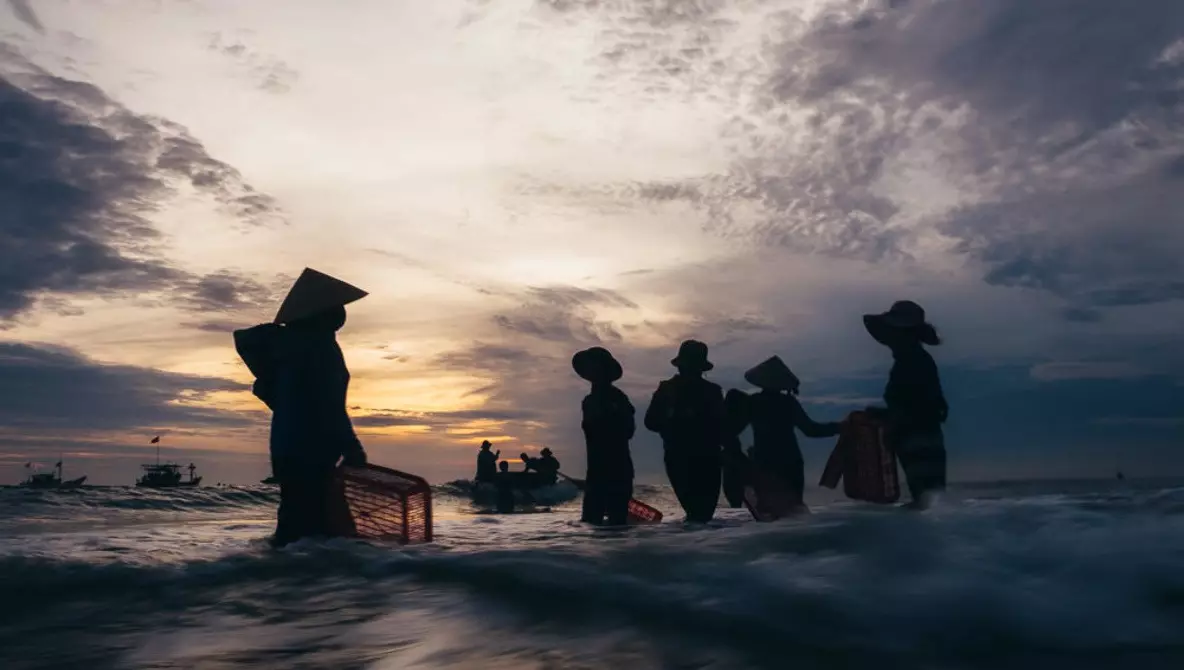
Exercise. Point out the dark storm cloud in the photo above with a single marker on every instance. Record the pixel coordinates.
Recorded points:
(54, 388)
(1072, 136)
(229, 291)
(1059, 126)
(79, 175)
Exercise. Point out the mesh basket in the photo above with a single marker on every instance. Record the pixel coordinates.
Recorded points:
(385, 504)
(640, 512)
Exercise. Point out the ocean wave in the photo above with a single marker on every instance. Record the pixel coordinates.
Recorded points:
(986, 581)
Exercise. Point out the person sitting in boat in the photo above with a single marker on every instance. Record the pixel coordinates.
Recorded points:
(487, 463)
(915, 403)
(544, 469)
(301, 376)
(505, 488)
(774, 413)
(688, 412)
(608, 425)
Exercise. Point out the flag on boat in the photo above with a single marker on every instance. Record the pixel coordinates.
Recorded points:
(58, 464)
(155, 440)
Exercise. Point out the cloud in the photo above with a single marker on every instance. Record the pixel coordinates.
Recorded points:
(267, 73)
(80, 178)
(383, 418)
(564, 315)
(25, 13)
(45, 388)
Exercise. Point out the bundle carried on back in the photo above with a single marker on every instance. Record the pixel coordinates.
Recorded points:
(377, 503)
(863, 460)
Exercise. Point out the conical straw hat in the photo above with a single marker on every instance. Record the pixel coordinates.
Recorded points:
(774, 374)
(315, 292)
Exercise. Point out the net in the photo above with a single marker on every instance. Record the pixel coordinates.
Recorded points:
(384, 504)
(640, 512)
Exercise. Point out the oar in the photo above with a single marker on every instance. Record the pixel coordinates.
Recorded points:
(639, 512)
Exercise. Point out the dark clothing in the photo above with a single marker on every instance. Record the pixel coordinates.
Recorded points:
(486, 466)
(304, 507)
(774, 417)
(301, 376)
(914, 395)
(688, 412)
(607, 499)
(916, 409)
(505, 492)
(696, 483)
(608, 425)
(544, 469)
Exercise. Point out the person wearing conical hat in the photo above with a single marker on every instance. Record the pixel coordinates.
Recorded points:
(688, 412)
(300, 374)
(775, 414)
(915, 403)
(487, 463)
(608, 424)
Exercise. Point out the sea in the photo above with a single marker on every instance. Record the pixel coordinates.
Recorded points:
(1011, 575)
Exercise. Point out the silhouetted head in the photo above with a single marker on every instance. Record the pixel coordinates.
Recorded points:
(524, 457)
(485, 445)
(902, 325)
(596, 365)
(692, 358)
(329, 320)
(546, 451)
(504, 466)
(772, 374)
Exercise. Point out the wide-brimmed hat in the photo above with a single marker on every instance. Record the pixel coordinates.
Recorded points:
(596, 365)
(692, 355)
(773, 374)
(904, 316)
(486, 444)
(315, 292)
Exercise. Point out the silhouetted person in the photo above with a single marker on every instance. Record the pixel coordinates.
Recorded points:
(736, 465)
(486, 463)
(301, 375)
(505, 488)
(774, 413)
(608, 424)
(542, 470)
(916, 406)
(688, 412)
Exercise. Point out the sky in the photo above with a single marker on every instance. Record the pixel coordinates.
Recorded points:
(513, 181)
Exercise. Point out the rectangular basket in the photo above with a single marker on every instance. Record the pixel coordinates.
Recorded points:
(385, 504)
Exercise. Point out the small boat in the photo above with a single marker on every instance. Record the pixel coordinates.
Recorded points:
(167, 476)
(51, 480)
(269, 480)
(527, 489)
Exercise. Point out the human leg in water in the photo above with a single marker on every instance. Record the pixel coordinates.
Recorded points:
(616, 501)
(593, 510)
(923, 459)
(304, 510)
(680, 473)
(696, 482)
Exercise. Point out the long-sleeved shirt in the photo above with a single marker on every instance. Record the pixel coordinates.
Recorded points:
(301, 375)
(914, 395)
(608, 426)
(774, 418)
(688, 412)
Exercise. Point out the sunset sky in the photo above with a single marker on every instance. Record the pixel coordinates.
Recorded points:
(514, 180)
